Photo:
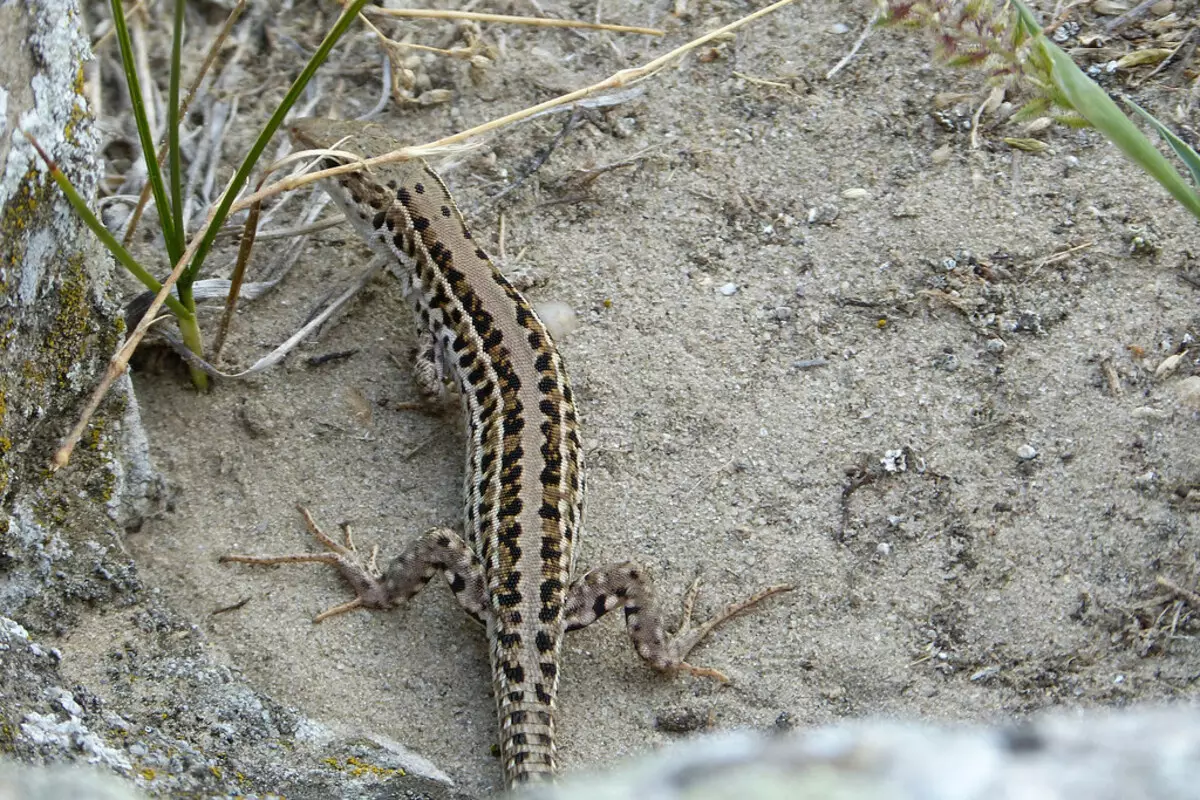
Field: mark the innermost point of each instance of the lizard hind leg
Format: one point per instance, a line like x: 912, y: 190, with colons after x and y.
x: 438, y: 549
x: 627, y: 586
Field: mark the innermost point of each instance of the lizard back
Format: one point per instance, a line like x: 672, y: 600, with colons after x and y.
x: 523, y: 482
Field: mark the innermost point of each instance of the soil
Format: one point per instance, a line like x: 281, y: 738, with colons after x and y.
x: 822, y: 338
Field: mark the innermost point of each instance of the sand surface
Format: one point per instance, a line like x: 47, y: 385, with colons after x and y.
x: 790, y: 281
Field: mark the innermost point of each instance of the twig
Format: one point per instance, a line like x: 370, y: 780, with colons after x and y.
x: 615, y: 81
x: 120, y: 361
x: 540, y: 158
x: 1131, y: 14
x: 862, y: 38
x: 545, y: 22
x: 1187, y: 594
x: 211, y: 56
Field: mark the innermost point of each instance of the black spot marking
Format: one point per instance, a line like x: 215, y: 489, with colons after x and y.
x: 403, y: 196
x: 547, y: 384
x: 550, y: 550
x: 544, y: 363
x: 549, y: 669
x: 549, y: 510
x: 536, y: 339
x: 446, y: 211
x: 517, y: 718
x: 632, y: 611
x: 419, y: 188
x: 514, y: 672
x: 511, y: 582
x: 516, y: 696
x: 550, y: 589
x: 512, y: 508
x: 419, y: 223
x: 543, y: 696
x: 514, y: 423
x: 549, y: 612
x: 508, y: 599
x: 457, y: 584
x: 482, y: 256
x: 524, y: 315
x: 493, y: 340
x: 544, y: 644
x: 600, y: 607
x: 509, y: 640
x: 378, y: 220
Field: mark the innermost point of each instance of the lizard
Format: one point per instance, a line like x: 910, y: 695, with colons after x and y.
x: 512, y: 568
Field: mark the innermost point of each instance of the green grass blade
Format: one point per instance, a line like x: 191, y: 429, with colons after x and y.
x: 1084, y: 96
x: 174, y: 166
x: 264, y: 137
x: 145, y: 135
x: 1186, y: 154
x: 106, y: 238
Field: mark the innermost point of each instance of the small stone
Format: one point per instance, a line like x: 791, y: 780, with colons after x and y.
x: 1188, y: 393
x: 729, y: 289
x: 856, y: 193
x: 1026, y: 453
x: 559, y: 317
x: 782, y: 313
x: 894, y: 461
x: 1168, y: 365
x: 883, y: 549
x: 996, y: 346
x: 839, y: 28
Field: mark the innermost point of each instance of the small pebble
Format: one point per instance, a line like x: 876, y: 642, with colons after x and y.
x: 1188, y: 393
x: 883, y: 549
x: 996, y: 346
x: 894, y: 461
x: 729, y: 289
x: 839, y: 28
x: 856, y: 194
x: 1026, y: 453
x: 559, y: 317
x: 782, y: 313
x: 1168, y: 365
x: 809, y: 363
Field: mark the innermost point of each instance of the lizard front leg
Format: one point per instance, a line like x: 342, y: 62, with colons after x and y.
x: 626, y: 585
x: 438, y: 549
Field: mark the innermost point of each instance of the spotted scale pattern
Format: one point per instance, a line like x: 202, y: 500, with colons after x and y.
x: 523, y: 483
x: 523, y: 489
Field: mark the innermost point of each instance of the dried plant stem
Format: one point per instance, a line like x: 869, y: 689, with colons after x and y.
x: 544, y: 22
x: 120, y: 361
x: 617, y: 80
x: 209, y: 58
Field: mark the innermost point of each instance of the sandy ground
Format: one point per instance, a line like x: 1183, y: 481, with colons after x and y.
x: 782, y: 286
